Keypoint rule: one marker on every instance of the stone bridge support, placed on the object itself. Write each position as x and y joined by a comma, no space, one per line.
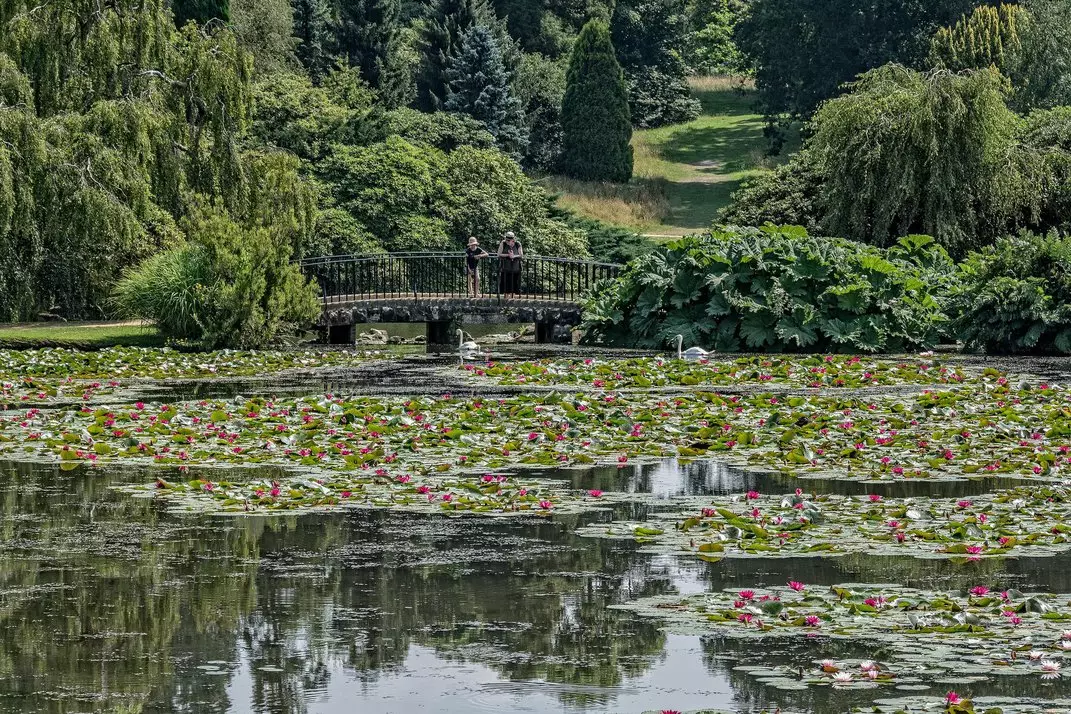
553,319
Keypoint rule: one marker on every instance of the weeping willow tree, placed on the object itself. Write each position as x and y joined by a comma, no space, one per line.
935,153
111,120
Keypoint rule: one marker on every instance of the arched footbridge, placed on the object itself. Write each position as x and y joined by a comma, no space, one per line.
432,288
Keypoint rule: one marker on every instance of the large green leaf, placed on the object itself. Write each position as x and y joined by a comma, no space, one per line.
758,329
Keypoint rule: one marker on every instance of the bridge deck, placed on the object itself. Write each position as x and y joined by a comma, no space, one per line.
451,297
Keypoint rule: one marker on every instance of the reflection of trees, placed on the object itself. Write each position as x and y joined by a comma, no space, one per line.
109,600
525,599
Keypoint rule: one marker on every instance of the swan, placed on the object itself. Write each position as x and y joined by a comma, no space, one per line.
691,352
465,346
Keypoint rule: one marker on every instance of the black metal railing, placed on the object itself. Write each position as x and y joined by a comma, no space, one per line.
348,278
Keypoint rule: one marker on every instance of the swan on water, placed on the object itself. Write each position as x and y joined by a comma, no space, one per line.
691,352
464,346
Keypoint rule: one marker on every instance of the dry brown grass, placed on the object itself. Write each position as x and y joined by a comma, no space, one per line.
640,204
720,83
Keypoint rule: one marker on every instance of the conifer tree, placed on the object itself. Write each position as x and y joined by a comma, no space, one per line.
313,26
369,36
478,85
595,111
988,37
201,11
446,23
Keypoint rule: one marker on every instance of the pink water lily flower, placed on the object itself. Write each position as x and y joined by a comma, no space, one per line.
953,698
546,505
979,590
797,585
595,493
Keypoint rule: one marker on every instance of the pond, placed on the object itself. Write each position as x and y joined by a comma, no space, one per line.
112,602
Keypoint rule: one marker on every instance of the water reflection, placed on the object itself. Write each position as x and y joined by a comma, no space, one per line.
107,603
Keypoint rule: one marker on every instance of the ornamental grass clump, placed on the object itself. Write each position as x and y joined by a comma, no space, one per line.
776,289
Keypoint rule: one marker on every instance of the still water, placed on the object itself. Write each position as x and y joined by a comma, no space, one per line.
110,604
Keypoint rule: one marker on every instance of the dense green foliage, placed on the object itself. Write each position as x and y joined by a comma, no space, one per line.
903,152
369,37
201,11
595,111
932,153
1016,296
988,37
477,85
229,287
447,22
803,50
711,47
775,289
646,36
1043,78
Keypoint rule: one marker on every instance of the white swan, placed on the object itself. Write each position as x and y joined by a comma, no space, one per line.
691,352
464,346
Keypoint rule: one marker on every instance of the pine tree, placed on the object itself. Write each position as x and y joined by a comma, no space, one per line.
595,111
478,85
370,37
313,26
446,22
201,11
988,37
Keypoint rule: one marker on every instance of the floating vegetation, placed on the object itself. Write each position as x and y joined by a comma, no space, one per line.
488,495
992,429
42,374
1033,521
977,633
816,371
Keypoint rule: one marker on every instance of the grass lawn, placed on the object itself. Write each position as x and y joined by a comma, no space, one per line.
684,173
84,335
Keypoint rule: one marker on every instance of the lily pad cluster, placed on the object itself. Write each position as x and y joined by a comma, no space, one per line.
487,495
955,433
980,632
44,374
816,371
1033,521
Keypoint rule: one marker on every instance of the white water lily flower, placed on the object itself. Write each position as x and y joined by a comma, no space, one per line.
1050,669
827,664
868,665
1065,644
1035,654
844,677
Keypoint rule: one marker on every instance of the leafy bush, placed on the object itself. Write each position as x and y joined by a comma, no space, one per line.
787,195
229,286
1015,296
775,289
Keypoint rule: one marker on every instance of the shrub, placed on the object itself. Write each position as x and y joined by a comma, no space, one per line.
229,286
170,289
775,289
1015,296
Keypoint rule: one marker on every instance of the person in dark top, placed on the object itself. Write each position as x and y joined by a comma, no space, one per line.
473,253
510,253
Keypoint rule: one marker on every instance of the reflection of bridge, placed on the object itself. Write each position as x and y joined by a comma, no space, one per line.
431,288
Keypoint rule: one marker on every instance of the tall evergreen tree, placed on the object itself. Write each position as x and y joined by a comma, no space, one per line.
313,26
989,36
446,22
201,11
369,35
478,85
595,110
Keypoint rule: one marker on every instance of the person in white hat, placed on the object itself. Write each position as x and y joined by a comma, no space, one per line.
473,253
